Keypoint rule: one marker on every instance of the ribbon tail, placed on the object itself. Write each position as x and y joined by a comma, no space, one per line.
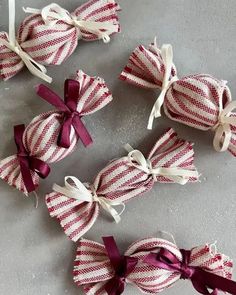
178,179
202,280
36,69
156,110
31,10
51,97
26,175
64,135
109,208
81,131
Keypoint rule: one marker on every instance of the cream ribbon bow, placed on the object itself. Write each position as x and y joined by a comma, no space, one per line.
222,129
52,13
34,67
176,174
167,57
86,193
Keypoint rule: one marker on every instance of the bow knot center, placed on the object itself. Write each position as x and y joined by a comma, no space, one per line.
221,120
186,272
94,195
17,50
74,20
72,113
151,170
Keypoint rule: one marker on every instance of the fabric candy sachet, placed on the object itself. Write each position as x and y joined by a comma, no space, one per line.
52,136
200,101
13,58
50,35
151,265
77,205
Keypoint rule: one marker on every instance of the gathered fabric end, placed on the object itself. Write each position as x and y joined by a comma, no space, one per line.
77,206
152,68
10,172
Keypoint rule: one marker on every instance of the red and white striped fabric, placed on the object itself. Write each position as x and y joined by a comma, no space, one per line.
123,179
52,42
41,135
50,35
200,101
93,269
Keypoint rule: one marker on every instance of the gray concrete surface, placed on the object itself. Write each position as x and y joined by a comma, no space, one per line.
36,258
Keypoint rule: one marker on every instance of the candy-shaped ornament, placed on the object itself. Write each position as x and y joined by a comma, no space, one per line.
77,205
200,101
151,265
13,58
50,35
51,136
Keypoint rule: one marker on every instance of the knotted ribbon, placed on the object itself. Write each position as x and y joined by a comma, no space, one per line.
28,163
202,280
223,133
176,174
167,57
72,117
87,193
34,67
122,265
53,13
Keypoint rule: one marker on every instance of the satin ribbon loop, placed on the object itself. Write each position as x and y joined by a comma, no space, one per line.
167,57
201,279
28,163
69,107
53,13
223,132
84,192
122,265
177,175
35,68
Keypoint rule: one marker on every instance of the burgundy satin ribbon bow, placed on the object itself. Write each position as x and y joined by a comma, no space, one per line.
69,107
123,266
28,163
202,280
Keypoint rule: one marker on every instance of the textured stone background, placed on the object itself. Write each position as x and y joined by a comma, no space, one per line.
35,255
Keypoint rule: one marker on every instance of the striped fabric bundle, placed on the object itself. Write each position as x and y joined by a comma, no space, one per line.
40,137
51,35
77,205
200,101
94,269
12,57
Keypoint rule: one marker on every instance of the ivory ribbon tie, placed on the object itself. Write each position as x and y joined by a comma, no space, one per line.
12,44
53,13
177,175
167,56
222,129
87,193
